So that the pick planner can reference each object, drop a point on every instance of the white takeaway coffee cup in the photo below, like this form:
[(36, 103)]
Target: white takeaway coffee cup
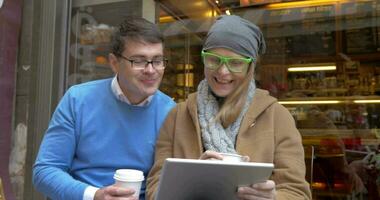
[(230, 157), (129, 178)]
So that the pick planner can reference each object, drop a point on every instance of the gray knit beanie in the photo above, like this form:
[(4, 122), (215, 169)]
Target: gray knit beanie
[(237, 34)]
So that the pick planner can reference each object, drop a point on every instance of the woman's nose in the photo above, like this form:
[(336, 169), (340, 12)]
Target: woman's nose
[(223, 69)]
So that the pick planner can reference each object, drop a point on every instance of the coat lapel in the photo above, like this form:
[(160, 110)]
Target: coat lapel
[(193, 111), (256, 108)]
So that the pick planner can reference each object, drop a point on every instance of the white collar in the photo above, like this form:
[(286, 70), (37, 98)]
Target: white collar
[(121, 96)]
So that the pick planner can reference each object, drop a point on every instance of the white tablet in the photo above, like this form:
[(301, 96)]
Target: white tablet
[(190, 179)]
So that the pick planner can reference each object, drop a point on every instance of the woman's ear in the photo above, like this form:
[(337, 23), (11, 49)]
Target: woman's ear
[(114, 63)]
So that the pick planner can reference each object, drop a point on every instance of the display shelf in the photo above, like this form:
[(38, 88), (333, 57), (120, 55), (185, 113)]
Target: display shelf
[(338, 194), (368, 133), (80, 3), (344, 99), (288, 60), (370, 142), (94, 65), (352, 72), (329, 155), (331, 137), (319, 90), (365, 57), (101, 49)]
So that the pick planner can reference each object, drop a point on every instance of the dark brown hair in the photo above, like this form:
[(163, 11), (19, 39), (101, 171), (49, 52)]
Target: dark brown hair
[(134, 28)]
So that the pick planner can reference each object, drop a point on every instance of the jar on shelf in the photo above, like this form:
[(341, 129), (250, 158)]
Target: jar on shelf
[(330, 82)]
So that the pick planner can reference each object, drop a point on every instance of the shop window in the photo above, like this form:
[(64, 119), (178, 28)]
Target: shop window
[(322, 63), (92, 24)]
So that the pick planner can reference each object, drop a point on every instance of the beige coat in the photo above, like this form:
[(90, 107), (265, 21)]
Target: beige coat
[(267, 134)]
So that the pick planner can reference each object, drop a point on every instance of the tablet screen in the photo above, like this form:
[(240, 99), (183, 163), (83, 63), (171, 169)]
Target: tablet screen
[(190, 179)]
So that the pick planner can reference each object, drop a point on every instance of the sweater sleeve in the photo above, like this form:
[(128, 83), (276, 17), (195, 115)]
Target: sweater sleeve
[(164, 149), (289, 174), (51, 169)]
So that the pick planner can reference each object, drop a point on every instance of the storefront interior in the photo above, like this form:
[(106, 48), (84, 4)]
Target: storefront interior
[(322, 63)]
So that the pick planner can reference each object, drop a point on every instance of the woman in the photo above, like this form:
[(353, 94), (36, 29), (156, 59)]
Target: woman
[(229, 115)]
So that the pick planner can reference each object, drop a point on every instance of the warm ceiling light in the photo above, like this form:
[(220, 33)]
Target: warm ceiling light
[(309, 102), (209, 13), (217, 2), (312, 68), (166, 19), (199, 4), (228, 12), (328, 102), (300, 4), (367, 101)]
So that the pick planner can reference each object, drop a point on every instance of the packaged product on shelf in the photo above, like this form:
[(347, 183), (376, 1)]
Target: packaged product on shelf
[(103, 34), (101, 60), (87, 34), (95, 34)]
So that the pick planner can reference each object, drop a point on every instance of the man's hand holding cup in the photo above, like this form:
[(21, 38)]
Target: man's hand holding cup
[(127, 186)]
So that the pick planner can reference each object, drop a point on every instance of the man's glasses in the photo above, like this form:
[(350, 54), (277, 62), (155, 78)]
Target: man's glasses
[(140, 64), (235, 65)]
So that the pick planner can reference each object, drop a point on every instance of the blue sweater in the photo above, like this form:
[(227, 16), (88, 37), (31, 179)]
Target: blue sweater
[(91, 134)]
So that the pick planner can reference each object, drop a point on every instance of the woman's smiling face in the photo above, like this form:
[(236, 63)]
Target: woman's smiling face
[(221, 81)]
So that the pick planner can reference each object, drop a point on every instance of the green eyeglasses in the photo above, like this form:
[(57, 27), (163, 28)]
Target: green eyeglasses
[(235, 65)]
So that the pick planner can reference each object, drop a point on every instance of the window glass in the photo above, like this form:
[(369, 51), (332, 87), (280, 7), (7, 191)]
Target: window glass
[(322, 63), (91, 28)]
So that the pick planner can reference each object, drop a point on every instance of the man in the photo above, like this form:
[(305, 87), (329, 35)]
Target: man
[(104, 125)]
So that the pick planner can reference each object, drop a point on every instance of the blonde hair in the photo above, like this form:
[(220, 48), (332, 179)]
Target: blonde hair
[(234, 103)]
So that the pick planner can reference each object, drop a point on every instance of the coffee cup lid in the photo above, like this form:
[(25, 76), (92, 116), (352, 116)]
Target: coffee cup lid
[(230, 157), (128, 175), (231, 154)]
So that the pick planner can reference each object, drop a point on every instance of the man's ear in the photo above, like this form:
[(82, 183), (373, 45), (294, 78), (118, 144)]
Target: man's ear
[(114, 63)]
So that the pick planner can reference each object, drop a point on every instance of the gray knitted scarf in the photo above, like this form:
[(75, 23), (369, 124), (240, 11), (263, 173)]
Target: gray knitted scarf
[(214, 136)]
